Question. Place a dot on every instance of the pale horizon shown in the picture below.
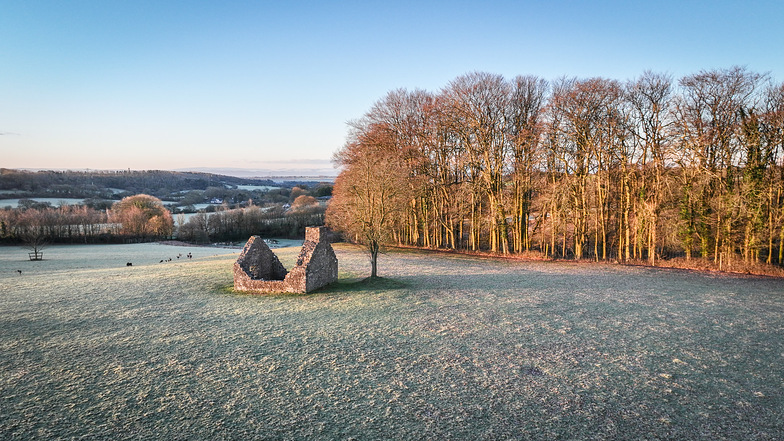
(282, 169)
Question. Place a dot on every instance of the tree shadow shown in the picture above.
(361, 285)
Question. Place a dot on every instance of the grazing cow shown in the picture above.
(19, 271)
(129, 264)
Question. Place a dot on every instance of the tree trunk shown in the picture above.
(373, 248)
(771, 227)
(652, 242)
(781, 246)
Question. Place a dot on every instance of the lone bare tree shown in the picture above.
(32, 233)
(370, 193)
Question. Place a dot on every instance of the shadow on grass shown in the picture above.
(362, 285)
(342, 286)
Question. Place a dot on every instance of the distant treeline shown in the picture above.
(239, 224)
(96, 184)
(66, 224)
(584, 168)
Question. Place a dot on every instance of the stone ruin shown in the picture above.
(259, 271)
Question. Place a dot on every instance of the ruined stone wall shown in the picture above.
(322, 268)
(258, 269)
(258, 260)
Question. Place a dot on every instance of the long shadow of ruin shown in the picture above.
(361, 285)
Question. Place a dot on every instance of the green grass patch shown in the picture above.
(440, 347)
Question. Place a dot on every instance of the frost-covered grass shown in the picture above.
(56, 202)
(256, 187)
(445, 347)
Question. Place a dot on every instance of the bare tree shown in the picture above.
(479, 104)
(708, 121)
(762, 187)
(304, 204)
(404, 119)
(526, 108)
(589, 131)
(142, 216)
(773, 133)
(650, 100)
(370, 194)
(32, 232)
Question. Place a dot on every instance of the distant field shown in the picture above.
(56, 202)
(447, 347)
(256, 187)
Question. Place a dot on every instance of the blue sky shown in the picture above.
(161, 84)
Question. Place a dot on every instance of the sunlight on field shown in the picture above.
(446, 347)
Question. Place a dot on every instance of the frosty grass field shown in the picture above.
(446, 347)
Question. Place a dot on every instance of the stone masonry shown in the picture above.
(259, 271)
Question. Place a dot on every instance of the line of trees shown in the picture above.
(143, 218)
(238, 224)
(100, 184)
(134, 218)
(65, 224)
(575, 168)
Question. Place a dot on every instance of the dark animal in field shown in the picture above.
(19, 271)
(161, 261)
(129, 264)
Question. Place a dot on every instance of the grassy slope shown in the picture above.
(454, 347)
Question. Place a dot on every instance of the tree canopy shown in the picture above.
(142, 216)
(574, 168)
